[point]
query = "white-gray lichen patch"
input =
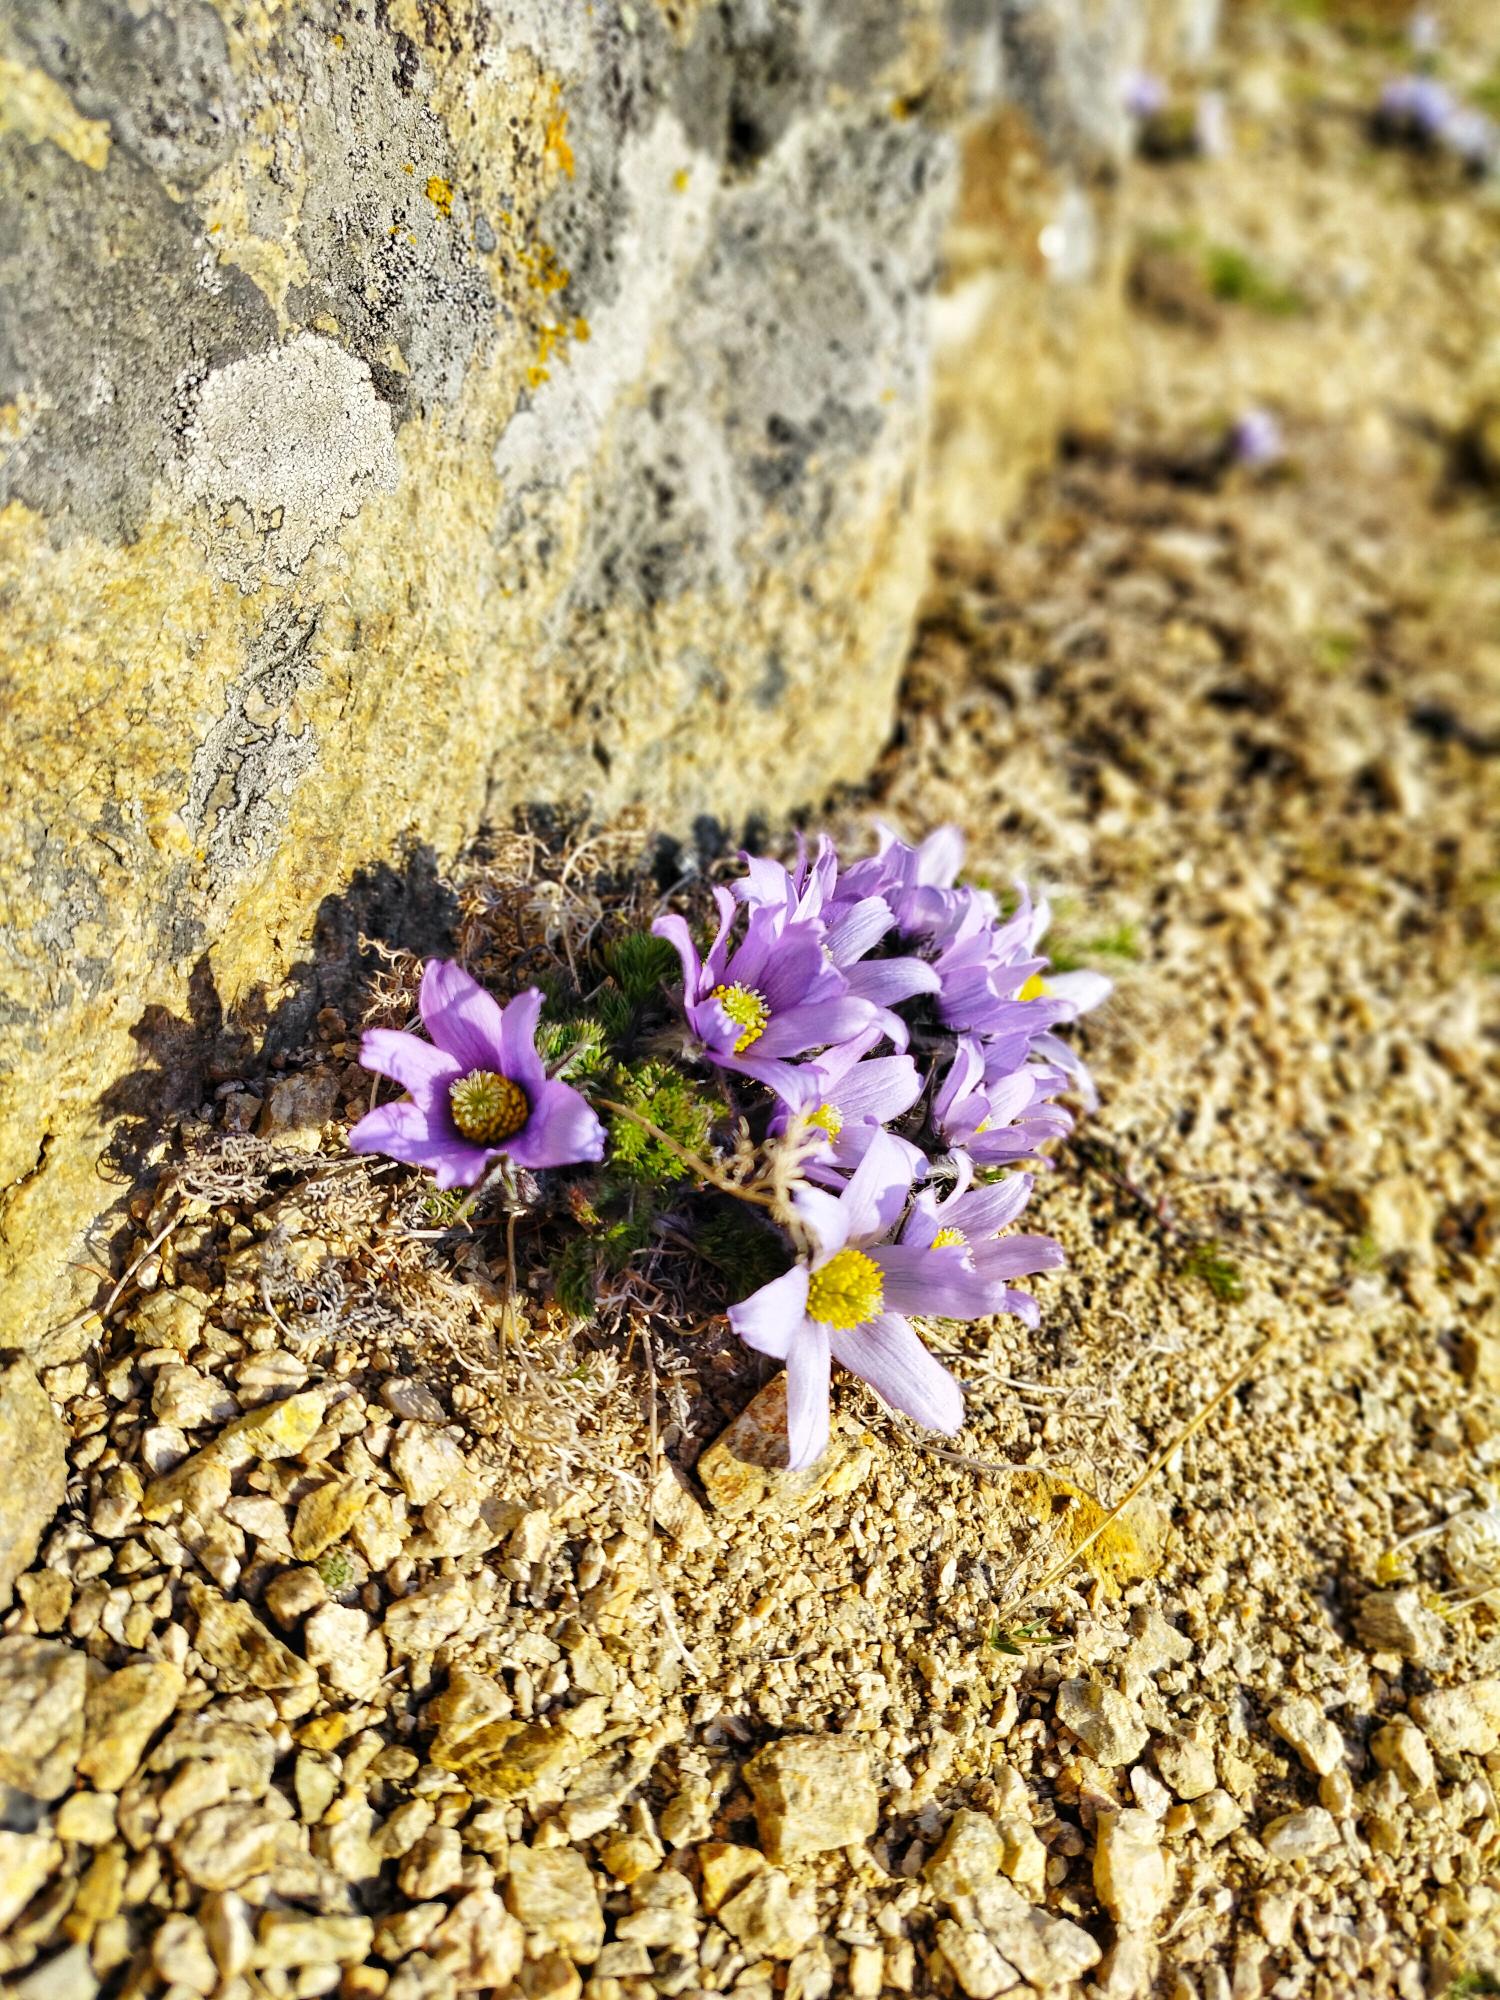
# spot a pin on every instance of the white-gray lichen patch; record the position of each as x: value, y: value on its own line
x: 280, y: 448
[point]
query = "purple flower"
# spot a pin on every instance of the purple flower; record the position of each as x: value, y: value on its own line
x: 477, y: 1091
x: 854, y: 922
x: 773, y: 995
x: 1414, y: 107
x: 1255, y: 439
x: 972, y: 1218
x: 850, y: 1095
x: 1144, y: 95
x: 990, y: 1117
x: 847, y: 1301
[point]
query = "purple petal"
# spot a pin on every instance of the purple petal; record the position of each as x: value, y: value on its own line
x: 986, y: 1210
x: 858, y: 929
x: 769, y: 1318
x: 1008, y: 1096
x: 936, y: 1283
x: 824, y: 1217
x: 886, y: 980
x: 877, y: 1193
x: 807, y: 1396
x: 404, y: 1132
x: 939, y: 857
x: 1021, y: 1256
x: 1083, y: 991
x: 785, y: 1078
x: 815, y: 1025
x: 886, y: 1353
x: 1025, y: 1308
x: 674, y: 929
x: 561, y: 1130
x: 518, y: 1057
x: 881, y: 1088
x: 461, y: 1017
x: 793, y: 968
x: 416, y: 1065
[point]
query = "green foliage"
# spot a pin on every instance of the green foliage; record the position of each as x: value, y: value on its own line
x: 1364, y: 1254
x: 736, y: 1243
x: 1235, y: 278
x: 1222, y: 1277
x: 1015, y: 1638
x: 1474, y: 1983
x: 586, y: 1261
x: 639, y: 963
x: 337, y: 1569
x: 579, y: 1037
x: 1122, y: 942
x: 681, y: 1107
x: 441, y: 1206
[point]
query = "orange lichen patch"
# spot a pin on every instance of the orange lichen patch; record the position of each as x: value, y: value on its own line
x: 555, y: 138
x: 440, y: 194
x: 1131, y: 1548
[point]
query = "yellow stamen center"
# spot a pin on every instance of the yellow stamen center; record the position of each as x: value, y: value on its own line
x: 747, y: 1009
x: 488, y: 1107
x: 828, y: 1118
x: 847, y: 1291
x: 1034, y: 988
x: 947, y: 1238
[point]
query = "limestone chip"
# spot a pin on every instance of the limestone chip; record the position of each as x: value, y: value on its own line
x: 26, y: 1860
x: 325, y: 1516
x: 1108, y: 1724
x: 1319, y: 1742
x: 553, y: 1894
x: 1459, y: 1719
x: 1300, y: 1836
x: 769, y: 1917
x: 121, y: 1715
x: 978, y: 1968
x: 1400, y: 1748
x: 33, y: 1450
x: 1130, y: 1870
x: 1186, y: 1766
x: 744, y: 1469
x: 42, y: 1688
x: 246, y: 1652
x: 812, y: 1793
x: 970, y: 1854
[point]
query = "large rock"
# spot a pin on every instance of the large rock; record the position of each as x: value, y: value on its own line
x: 410, y: 413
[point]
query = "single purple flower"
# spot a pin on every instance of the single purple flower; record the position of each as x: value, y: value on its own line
x: 1414, y: 107
x: 773, y: 995
x: 847, y: 1299
x: 1144, y: 94
x: 477, y: 1091
x: 1255, y: 439
x: 972, y: 1218
x: 850, y: 1095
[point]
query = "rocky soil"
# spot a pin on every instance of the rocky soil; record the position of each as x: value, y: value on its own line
x: 370, y: 1636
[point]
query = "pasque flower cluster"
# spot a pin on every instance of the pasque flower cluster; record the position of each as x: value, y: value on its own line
x: 911, y: 1027
x: 899, y: 1027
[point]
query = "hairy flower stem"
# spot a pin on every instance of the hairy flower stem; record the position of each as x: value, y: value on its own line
x: 699, y: 1166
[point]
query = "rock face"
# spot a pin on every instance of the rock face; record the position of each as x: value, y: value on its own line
x: 471, y: 409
